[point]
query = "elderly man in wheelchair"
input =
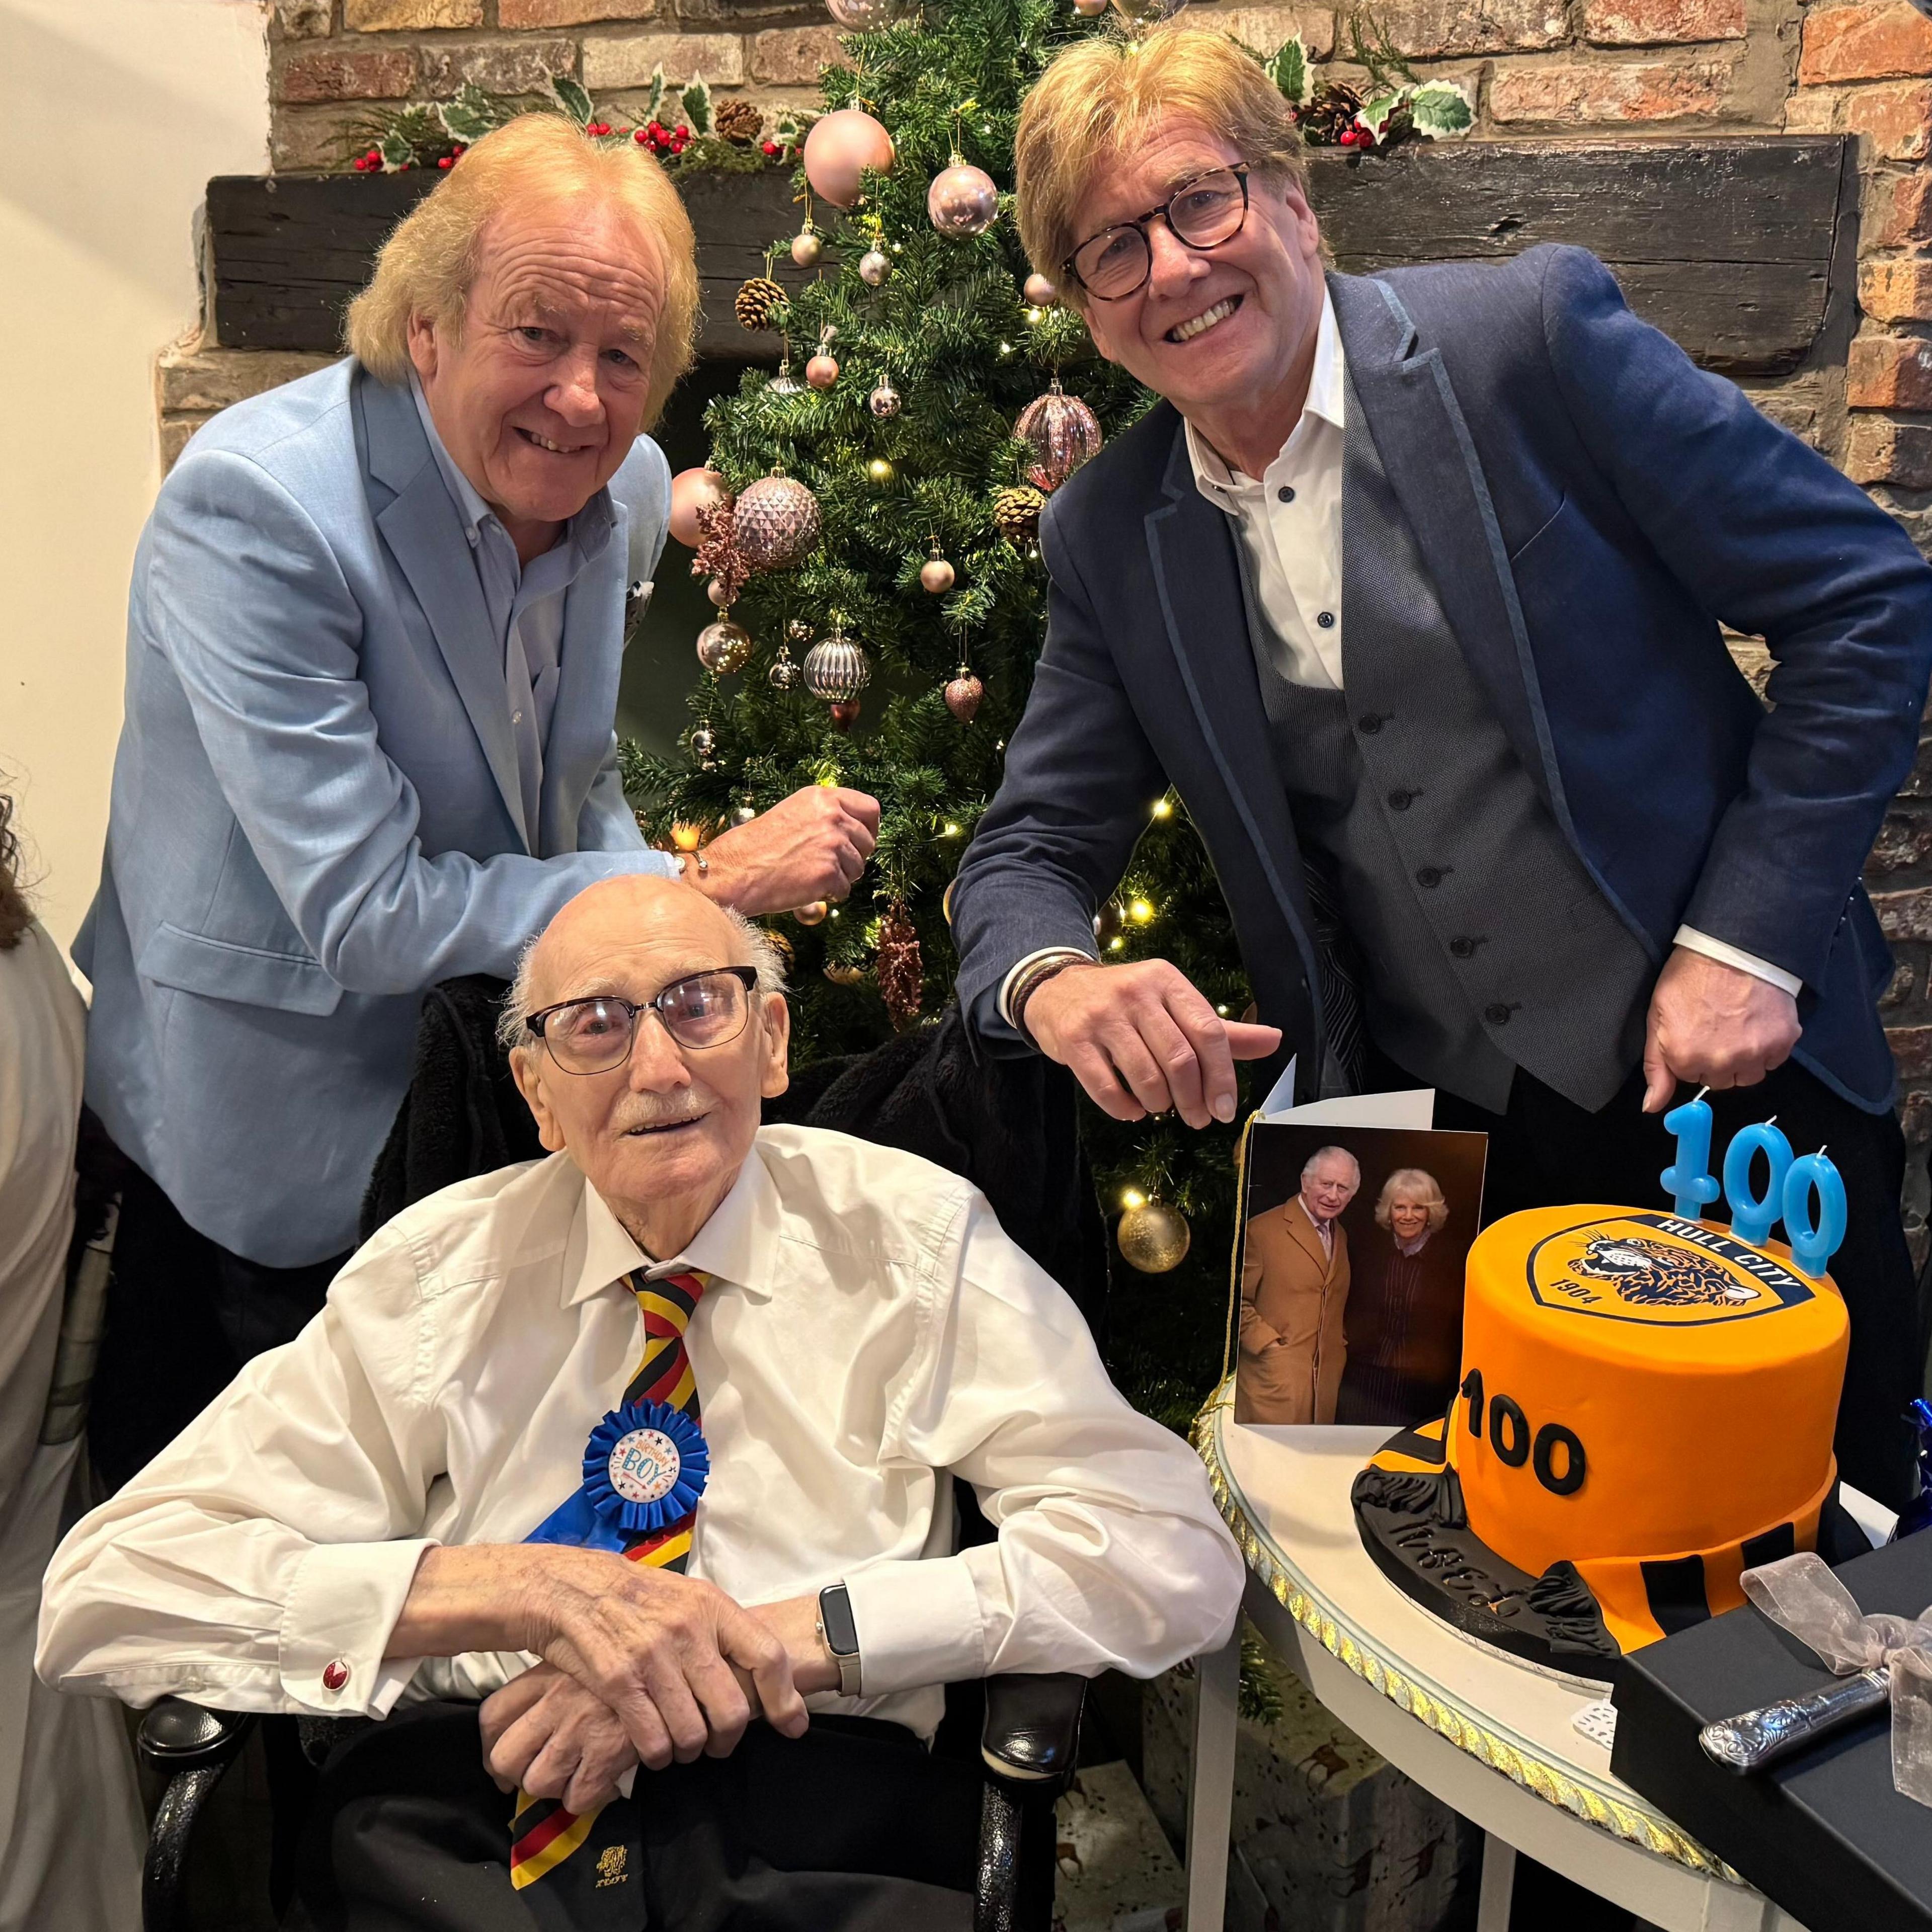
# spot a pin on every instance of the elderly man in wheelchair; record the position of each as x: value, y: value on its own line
x: 620, y: 1485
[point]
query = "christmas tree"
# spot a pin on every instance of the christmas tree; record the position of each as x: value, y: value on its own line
x: 880, y: 632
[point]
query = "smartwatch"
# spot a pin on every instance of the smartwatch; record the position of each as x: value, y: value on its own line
x: 840, y: 1635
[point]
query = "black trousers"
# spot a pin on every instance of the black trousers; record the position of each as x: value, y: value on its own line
x: 1545, y: 1151
x: 853, y: 1827
x: 183, y: 1315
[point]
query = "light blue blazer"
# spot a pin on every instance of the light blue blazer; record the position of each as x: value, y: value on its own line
x: 316, y: 814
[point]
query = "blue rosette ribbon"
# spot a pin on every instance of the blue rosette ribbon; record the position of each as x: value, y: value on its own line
x: 645, y: 1467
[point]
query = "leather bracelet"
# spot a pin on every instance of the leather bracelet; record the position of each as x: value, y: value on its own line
x: 1036, y: 977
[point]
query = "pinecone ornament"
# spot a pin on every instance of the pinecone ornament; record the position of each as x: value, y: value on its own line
x: 1331, y: 113
x: 900, y: 968
x: 738, y: 121
x: 757, y: 302
x: 1016, y: 514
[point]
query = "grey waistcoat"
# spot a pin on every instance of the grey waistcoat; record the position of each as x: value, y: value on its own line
x: 1485, y: 946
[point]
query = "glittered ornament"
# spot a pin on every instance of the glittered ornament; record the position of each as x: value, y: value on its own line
x: 1154, y: 1237
x: 822, y: 371
x: 963, y: 695
x: 884, y: 401
x: 1061, y: 431
x: 1039, y: 291
x: 900, y: 970
x: 692, y: 490
x: 880, y: 472
x: 813, y: 914
x: 784, y: 674
x: 776, y: 522
x: 757, y: 302
x: 724, y: 647
x: 806, y: 248
x: 703, y: 743
x: 798, y: 632
x: 875, y: 266
x: 836, y: 668
x: 844, y: 973
x: 1015, y: 513
x: 936, y: 575
x: 839, y: 148
x: 719, y: 557
x: 962, y: 200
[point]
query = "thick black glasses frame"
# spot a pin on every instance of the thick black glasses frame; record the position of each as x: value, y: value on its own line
x: 747, y: 976
x: 1164, y: 212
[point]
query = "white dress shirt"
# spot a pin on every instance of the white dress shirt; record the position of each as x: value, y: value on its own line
x: 1290, y: 526
x: 868, y: 1328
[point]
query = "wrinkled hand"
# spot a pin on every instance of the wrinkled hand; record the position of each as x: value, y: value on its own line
x: 812, y: 845
x: 658, y: 1650
x: 545, y: 1732
x: 795, y: 1623
x: 1141, y: 1039
x: 1713, y: 1025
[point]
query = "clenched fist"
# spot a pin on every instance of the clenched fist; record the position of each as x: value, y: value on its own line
x: 812, y: 845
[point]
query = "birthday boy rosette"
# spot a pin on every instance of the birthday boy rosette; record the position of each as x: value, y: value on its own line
x: 645, y: 1467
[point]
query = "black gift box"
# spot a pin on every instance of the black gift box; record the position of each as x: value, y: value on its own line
x: 1824, y: 1833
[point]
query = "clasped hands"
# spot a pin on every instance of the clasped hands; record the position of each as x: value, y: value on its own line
x: 640, y: 1666
x: 1141, y: 1039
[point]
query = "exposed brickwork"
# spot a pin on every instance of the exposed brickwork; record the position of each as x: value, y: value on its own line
x: 792, y: 56
x: 1574, y: 94
x: 1879, y: 450
x: 520, y: 66
x: 570, y: 13
x: 1431, y: 29
x: 610, y: 62
x: 1896, y: 289
x: 1889, y: 41
x: 1636, y: 23
x: 365, y: 74
x: 1898, y: 212
x: 1889, y: 372
x: 401, y: 16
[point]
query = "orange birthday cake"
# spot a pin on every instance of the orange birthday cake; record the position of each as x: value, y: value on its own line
x: 1646, y: 1410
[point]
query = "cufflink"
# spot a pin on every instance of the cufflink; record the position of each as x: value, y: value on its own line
x: 334, y: 1674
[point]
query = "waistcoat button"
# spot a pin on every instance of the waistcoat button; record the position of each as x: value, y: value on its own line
x: 1430, y: 875
x: 1463, y: 946
x: 1400, y: 801
x: 1497, y: 1014
x: 1369, y: 724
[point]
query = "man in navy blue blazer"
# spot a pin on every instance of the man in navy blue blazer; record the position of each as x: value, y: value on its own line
x: 1411, y: 589
x: 374, y: 635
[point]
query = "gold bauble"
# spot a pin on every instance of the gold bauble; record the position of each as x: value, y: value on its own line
x: 880, y: 473
x: 1154, y: 1237
x: 687, y: 837
x: 813, y: 914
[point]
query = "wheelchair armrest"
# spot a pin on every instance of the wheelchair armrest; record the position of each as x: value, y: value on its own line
x: 1032, y: 1735
x: 191, y: 1747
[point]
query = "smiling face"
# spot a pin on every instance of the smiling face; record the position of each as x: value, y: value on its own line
x: 660, y: 1138
x: 540, y: 393
x: 1408, y: 1216
x: 1328, y: 1183
x: 1227, y: 334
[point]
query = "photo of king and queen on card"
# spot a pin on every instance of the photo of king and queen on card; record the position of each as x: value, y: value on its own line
x: 1357, y: 1220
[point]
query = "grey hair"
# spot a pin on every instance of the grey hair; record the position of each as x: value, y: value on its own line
x: 1415, y: 1181
x: 519, y: 1002
x: 1322, y: 1154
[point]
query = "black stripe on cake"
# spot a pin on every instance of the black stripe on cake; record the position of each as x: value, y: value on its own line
x: 1782, y: 1541
x: 1675, y: 1589
x: 1418, y: 1447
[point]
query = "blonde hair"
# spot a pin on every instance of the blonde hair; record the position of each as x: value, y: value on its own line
x: 429, y: 264
x: 1423, y: 1189
x: 1103, y: 97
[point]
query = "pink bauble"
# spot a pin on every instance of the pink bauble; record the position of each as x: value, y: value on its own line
x: 822, y: 371
x: 962, y: 200
x: 1061, y: 431
x: 1041, y: 292
x: 838, y: 150
x: 692, y: 490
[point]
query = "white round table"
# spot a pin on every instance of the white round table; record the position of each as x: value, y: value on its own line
x: 1490, y: 1737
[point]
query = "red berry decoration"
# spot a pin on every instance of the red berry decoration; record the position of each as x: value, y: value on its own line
x: 447, y: 161
x: 683, y: 132
x: 768, y: 147
x: 638, y: 135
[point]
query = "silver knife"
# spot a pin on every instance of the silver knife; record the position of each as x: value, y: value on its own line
x: 1762, y: 1737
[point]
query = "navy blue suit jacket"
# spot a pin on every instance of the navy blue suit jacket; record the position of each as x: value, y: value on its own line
x: 1591, y: 505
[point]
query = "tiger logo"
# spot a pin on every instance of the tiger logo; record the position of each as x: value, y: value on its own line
x: 1659, y: 1274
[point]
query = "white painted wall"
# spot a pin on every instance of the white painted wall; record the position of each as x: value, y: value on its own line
x: 116, y: 113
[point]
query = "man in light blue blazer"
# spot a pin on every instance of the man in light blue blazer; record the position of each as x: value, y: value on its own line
x: 374, y: 637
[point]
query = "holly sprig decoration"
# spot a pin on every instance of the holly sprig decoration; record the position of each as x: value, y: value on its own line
x: 1398, y: 104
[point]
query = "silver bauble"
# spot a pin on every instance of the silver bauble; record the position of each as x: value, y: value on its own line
x: 884, y: 402
x: 1061, y: 431
x: 723, y: 647
x: 836, y: 668
x: 783, y: 673
x: 875, y: 266
x: 703, y: 743
x: 776, y: 522
x: 962, y: 200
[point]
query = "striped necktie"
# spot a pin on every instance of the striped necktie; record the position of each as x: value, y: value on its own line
x: 543, y: 1835
x: 663, y: 1374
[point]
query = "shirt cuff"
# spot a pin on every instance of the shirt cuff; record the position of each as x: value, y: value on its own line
x: 1692, y: 941
x: 919, y: 1623
x: 335, y: 1627
x: 1013, y: 978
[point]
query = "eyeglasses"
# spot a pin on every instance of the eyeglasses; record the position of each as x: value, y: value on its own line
x: 1202, y: 213
x: 593, y: 1035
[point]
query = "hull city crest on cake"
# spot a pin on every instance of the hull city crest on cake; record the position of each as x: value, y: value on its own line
x: 1645, y: 1410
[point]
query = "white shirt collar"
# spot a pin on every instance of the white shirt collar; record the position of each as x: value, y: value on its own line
x: 1326, y: 388
x: 739, y: 1244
